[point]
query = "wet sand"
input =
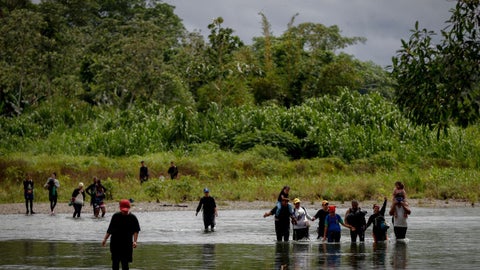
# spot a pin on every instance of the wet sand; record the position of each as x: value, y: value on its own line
x: 112, y: 206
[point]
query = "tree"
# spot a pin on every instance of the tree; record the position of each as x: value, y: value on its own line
x: 439, y: 85
x: 339, y: 74
x: 22, y: 61
x: 268, y: 87
x: 226, y: 84
x: 128, y: 58
x: 222, y: 43
x: 301, y: 62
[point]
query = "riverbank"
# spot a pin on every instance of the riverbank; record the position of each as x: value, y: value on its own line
x: 63, y: 207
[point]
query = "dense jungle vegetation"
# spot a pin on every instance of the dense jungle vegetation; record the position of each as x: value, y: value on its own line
x: 90, y: 88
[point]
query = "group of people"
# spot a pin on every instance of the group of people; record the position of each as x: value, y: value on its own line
x: 123, y: 228
x: 96, y: 191
x: 144, y: 174
x: 51, y: 185
x: 329, y: 222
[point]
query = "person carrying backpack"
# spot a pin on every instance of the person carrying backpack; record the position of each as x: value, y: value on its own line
x: 380, y: 226
x: 52, y: 186
x: 301, y: 222
x: 355, y: 217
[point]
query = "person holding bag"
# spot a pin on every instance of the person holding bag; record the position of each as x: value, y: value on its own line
x: 78, y: 199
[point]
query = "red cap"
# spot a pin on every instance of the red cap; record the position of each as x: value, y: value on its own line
x: 331, y: 208
x: 124, y: 205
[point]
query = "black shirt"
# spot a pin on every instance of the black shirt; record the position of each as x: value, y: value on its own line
x: 320, y: 215
x: 122, y: 227
x: 208, y: 205
x: 144, y: 173
x: 283, y: 217
x: 173, y: 172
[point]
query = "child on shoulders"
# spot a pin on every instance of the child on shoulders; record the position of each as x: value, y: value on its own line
x: 283, y: 195
x: 399, y: 194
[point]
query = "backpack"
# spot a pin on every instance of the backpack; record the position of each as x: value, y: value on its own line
x: 381, y: 223
x: 52, y: 187
x: 356, y: 217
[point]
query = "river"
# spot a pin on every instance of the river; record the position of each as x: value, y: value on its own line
x: 438, y: 238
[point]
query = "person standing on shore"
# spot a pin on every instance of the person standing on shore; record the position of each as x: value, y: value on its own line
x: 173, y: 170
x: 52, y: 185
x: 209, y: 210
x: 143, y: 172
x: 78, y: 198
x: 28, y: 193
x: 124, y: 228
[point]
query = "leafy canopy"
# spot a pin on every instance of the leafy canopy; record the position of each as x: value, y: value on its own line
x: 439, y: 85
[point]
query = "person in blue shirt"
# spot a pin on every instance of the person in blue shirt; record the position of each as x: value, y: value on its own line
x: 332, y: 224
x: 283, y: 195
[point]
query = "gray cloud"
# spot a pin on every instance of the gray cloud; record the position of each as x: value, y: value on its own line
x: 383, y: 22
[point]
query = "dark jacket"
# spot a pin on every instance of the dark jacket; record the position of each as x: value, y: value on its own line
x: 208, y: 204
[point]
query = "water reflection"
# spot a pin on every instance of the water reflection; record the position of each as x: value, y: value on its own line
x: 51, y: 251
x: 208, y: 256
x: 301, y: 256
x: 399, y: 255
x: 379, y: 252
x: 239, y: 243
x: 282, y: 255
x: 27, y: 251
x: 357, y: 255
x: 329, y: 255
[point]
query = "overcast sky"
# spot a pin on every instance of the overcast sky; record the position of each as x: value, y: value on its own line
x: 383, y: 22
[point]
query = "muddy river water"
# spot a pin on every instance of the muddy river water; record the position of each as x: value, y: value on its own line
x: 438, y: 238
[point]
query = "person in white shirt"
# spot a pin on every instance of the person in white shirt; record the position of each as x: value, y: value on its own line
x: 302, y: 219
x: 400, y: 211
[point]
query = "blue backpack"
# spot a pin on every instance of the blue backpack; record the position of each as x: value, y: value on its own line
x: 381, y: 223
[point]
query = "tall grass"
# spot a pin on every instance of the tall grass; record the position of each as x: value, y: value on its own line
x: 247, y: 176
x: 332, y: 147
x: 349, y: 127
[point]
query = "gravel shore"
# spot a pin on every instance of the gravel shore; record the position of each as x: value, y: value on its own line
x: 112, y: 206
